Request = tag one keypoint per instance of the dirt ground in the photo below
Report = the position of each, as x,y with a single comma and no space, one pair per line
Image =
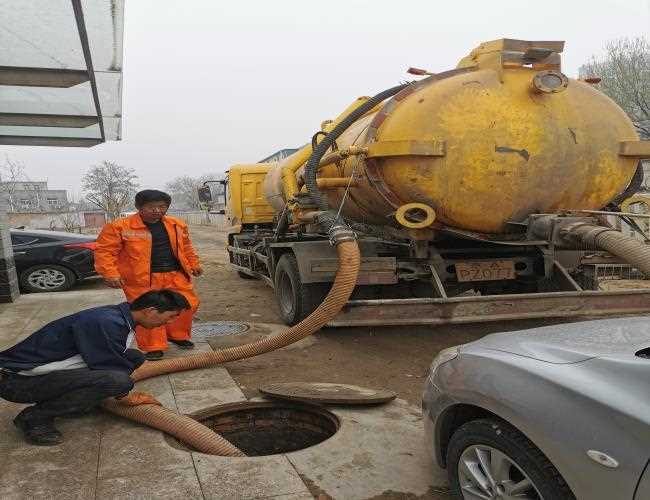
395,358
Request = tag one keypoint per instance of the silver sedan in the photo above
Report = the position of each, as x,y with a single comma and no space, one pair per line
552,413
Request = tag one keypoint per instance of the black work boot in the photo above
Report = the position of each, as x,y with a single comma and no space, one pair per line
41,433
154,355
183,344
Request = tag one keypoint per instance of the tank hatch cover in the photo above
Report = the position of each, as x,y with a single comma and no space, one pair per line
217,329
322,392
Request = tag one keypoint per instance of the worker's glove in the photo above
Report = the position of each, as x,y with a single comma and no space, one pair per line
136,398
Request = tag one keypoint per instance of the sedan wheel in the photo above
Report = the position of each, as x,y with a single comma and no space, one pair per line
488,459
47,278
485,473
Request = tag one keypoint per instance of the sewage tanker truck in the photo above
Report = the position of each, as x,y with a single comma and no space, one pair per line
483,193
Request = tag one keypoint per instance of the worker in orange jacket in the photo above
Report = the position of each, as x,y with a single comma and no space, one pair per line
150,251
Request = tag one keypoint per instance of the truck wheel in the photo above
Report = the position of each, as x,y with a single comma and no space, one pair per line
491,459
296,300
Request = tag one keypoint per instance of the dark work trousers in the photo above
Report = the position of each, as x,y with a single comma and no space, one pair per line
66,392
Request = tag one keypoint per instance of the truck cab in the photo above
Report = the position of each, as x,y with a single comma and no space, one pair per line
246,206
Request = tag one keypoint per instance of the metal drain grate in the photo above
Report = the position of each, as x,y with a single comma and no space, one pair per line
218,329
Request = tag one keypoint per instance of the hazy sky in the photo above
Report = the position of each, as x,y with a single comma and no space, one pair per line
208,83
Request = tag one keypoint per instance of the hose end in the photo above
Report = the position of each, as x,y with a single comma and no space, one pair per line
584,232
339,233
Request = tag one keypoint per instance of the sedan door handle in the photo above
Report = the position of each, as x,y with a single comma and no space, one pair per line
20,253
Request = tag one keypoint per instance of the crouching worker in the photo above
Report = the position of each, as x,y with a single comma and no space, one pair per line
70,365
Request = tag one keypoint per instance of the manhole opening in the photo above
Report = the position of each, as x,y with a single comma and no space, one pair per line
269,428
218,328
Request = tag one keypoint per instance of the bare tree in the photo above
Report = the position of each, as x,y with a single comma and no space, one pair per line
625,77
69,222
11,172
184,190
110,187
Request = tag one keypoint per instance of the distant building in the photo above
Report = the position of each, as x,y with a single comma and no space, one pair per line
33,196
279,155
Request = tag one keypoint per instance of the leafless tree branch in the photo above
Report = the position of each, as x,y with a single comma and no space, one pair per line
625,77
110,187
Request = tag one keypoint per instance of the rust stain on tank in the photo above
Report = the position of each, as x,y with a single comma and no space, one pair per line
573,134
505,149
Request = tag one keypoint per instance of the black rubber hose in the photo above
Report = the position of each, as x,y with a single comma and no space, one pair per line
633,187
283,224
314,160
314,140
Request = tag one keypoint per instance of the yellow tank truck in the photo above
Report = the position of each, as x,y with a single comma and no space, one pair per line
477,194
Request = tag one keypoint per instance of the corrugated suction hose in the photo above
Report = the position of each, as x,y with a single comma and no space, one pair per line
201,437
186,429
634,252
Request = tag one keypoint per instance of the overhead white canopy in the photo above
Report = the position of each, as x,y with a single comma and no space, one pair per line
60,71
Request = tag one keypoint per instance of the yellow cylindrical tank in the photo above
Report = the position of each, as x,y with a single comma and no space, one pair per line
484,145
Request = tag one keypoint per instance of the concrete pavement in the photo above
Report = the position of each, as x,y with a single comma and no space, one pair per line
377,452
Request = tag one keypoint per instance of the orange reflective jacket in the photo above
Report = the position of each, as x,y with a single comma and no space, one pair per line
124,249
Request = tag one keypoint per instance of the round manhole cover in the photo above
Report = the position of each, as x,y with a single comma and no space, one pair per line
328,393
218,329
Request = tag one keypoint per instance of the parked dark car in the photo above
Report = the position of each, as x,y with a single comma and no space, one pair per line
50,261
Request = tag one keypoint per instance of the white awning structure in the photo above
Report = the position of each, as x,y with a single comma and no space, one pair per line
60,72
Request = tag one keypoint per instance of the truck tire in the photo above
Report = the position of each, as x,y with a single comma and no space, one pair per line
296,300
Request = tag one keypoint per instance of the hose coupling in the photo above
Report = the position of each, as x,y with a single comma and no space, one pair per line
340,233
584,232
305,201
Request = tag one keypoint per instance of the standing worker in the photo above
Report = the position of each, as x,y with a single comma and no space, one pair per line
149,251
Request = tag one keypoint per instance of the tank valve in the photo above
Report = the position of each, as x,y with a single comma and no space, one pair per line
550,82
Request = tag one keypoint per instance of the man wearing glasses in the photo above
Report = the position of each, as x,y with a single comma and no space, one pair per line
151,251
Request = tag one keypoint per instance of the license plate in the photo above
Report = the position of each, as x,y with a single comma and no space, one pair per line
486,270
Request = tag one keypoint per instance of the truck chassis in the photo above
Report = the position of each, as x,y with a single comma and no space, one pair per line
449,282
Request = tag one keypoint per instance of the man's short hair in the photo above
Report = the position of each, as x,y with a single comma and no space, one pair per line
151,195
163,300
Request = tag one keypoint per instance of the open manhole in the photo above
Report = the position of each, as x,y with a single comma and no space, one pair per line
218,329
268,428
